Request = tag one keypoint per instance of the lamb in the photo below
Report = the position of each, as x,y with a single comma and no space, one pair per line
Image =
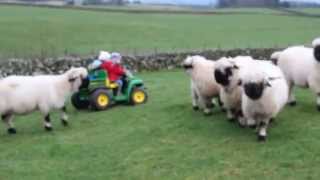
25,94
300,69
227,73
265,93
203,86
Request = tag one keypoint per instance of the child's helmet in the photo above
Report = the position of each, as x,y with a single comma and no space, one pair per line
104,56
116,57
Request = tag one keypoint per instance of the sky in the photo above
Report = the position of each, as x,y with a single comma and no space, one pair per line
204,2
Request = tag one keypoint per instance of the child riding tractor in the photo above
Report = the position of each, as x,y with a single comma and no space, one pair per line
99,93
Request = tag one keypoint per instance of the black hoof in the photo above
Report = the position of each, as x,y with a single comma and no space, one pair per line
64,122
262,138
48,128
231,119
293,103
12,131
196,108
318,107
223,110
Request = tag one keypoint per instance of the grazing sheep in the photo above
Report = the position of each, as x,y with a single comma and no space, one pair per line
25,94
203,86
300,69
227,73
265,93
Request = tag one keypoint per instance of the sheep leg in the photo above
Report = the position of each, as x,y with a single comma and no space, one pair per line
206,107
262,133
241,120
7,118
318,101
230,115
47,123
292,100
195,100
64,116
223,109
209,103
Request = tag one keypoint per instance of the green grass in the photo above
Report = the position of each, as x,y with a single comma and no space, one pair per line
163,139
30,31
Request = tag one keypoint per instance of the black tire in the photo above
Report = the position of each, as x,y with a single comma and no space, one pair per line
138,96
78,103
100,99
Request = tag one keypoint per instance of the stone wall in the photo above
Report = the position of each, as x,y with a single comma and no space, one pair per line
135,63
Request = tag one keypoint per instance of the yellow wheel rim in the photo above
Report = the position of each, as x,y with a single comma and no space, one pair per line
139,97
103,100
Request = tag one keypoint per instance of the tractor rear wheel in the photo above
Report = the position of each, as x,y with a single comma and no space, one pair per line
78,103
100,99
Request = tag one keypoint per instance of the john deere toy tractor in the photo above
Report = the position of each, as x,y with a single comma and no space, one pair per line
99,93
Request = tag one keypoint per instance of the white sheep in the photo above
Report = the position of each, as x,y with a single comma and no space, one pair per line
227,73
203,85
265,93
25,94
300,69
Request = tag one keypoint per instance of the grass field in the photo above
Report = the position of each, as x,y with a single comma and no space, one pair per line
163,139
30,31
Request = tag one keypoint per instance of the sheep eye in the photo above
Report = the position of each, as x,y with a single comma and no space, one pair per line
72,79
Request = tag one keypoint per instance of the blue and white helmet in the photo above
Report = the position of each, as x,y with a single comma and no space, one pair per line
116,57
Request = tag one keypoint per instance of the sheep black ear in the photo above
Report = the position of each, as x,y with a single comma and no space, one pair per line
239,82
235,67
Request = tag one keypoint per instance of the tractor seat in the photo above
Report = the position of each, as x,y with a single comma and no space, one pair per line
111,85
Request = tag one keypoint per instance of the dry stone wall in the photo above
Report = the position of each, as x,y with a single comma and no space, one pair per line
154,62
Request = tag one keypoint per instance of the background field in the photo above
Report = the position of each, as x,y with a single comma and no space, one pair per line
28,31
163,139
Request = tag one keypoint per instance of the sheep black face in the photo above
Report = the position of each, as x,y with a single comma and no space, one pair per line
254,90
188,64
222,77
316,53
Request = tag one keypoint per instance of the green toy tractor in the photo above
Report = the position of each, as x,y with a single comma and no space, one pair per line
99,93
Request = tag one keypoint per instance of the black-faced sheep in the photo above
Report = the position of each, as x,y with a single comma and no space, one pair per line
203,86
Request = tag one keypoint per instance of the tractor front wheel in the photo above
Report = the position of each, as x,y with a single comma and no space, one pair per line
138,96
78,103
100,99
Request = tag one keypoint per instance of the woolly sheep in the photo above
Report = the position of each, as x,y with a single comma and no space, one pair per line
300,69
203,86
265,93
25,94
227,73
